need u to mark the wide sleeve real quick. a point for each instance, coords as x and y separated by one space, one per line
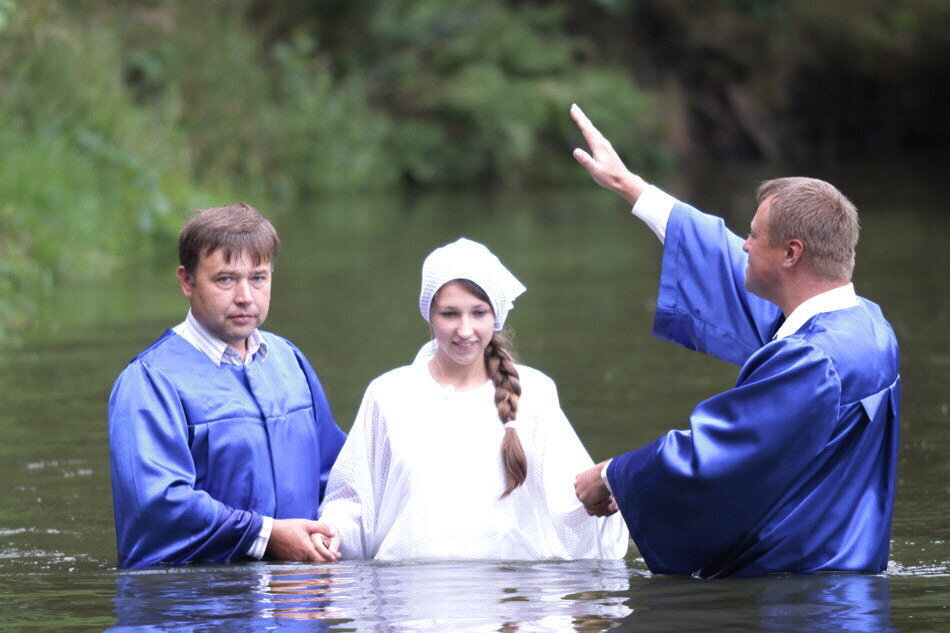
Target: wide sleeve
329 434
702 303
692 497
560 457
357 482
159 515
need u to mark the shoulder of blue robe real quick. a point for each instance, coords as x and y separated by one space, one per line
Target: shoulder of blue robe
862 344
702 303
330 435
159 515
777 474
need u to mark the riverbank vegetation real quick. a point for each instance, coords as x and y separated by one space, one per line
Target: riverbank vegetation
117 118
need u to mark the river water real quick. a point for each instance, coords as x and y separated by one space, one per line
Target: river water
345 291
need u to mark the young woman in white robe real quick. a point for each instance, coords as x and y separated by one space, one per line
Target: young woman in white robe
464 454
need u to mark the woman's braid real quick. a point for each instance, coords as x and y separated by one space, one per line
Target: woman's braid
503 373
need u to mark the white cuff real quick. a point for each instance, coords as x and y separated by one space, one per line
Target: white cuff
654 207
603 474
259 546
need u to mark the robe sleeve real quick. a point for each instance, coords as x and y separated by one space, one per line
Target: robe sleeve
357 482
330 436
560 458
702 303
692 498
160 517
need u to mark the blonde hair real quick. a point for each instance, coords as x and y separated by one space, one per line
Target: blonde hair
819 215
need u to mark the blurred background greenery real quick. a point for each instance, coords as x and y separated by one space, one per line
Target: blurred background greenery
118 117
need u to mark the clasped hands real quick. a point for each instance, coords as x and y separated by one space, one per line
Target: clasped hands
303 540
591 490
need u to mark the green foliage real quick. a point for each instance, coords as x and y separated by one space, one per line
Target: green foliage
480 92
116 118
115 124
327 135
272 115
86 177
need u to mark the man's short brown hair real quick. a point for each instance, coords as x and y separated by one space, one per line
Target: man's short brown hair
819 215
237 229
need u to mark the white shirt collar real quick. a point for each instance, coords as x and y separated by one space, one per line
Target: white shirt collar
214 348
834 299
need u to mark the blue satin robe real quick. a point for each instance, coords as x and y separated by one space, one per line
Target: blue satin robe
201 452
793 469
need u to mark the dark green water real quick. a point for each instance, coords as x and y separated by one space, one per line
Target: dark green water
346 291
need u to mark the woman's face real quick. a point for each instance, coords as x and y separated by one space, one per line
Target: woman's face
462 323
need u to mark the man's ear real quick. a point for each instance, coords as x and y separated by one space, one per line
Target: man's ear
794 249
184 280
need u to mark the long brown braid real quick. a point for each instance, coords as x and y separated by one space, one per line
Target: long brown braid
500 365
502 371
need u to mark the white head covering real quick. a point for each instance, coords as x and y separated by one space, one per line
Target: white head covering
465 259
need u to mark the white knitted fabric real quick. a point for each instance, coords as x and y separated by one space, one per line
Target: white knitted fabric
465 259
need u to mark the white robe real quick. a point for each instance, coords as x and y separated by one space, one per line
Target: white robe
421 473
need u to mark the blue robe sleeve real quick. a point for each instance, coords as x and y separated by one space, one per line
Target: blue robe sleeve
702 303
330 436
693 498
160 517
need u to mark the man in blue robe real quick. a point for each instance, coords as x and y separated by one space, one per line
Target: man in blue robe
220 435
793 469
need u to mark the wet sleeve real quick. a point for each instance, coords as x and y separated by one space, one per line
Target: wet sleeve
560 458
356 486
693 496
159 515
702 303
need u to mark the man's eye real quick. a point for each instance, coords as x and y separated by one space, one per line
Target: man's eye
224 280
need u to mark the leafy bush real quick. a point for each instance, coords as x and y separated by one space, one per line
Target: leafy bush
480 91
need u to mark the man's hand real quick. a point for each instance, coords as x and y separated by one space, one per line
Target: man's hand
296 540
603 509
603 163
593 493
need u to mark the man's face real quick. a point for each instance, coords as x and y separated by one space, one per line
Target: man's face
230 299
765 261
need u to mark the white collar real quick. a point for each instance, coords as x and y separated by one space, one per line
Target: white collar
828 301
214 348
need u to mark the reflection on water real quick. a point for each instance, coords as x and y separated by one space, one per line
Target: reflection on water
784 603
581 596
489 596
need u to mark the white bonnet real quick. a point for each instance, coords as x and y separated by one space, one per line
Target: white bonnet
465 259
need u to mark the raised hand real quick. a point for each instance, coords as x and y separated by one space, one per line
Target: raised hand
603 163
